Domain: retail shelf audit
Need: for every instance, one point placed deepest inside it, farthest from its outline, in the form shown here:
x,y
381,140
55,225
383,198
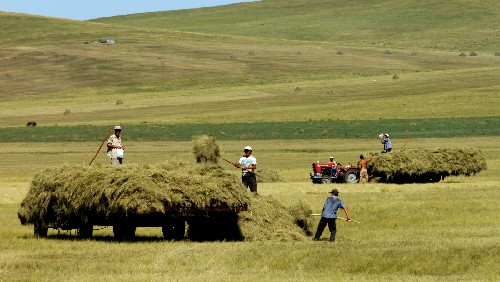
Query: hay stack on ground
x,y
265,175
419,166
267,219
205,149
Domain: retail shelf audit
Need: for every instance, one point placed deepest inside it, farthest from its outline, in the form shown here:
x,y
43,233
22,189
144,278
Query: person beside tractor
x,y
248,164
329,215
115,148
384,139
363,168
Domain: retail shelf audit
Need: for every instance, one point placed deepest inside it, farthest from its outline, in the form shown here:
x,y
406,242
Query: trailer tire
x,y
40,230
174,229
85,231
124,232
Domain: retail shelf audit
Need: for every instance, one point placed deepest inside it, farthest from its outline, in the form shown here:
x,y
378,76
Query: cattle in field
x,y
31,123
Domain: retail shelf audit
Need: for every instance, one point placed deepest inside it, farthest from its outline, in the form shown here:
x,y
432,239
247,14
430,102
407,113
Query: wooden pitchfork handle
x,y
354,221
104,140
234,164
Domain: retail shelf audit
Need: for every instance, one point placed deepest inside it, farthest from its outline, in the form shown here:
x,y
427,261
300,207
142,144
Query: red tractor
x,y
329,173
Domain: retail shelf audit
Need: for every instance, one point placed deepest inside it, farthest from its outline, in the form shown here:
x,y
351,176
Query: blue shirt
x,y
387,144
332,204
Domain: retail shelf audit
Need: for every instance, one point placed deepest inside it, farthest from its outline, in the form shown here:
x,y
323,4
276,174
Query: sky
x,y
91,9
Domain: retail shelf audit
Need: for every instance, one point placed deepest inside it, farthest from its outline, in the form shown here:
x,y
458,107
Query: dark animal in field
x,y
31,123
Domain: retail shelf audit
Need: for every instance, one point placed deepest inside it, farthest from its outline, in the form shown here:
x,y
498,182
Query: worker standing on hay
x,y
363,166
329,215
248,164
384,139
115,148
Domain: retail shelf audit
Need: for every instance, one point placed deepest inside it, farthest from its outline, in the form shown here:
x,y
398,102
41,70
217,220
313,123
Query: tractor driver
x,y
333,164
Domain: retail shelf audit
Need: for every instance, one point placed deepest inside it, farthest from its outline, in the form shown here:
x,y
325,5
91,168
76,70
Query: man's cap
x,y
335,191
118,127
248,148
331,157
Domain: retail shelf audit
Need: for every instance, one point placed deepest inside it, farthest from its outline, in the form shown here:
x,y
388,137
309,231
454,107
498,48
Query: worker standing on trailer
x,y
384,139
115,148
248,164
329,215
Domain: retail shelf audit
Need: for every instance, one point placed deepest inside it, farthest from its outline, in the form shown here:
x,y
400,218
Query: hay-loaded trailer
x,y
204,200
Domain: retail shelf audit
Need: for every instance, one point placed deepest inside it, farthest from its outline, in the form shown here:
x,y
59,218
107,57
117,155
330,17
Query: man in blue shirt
x,y
329,215
387,143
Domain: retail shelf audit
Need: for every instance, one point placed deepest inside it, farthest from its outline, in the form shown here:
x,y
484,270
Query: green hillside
x,y
261,62
428,24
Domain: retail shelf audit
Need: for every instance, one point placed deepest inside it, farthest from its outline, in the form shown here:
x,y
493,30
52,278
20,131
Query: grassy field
x,y
439,231
298,81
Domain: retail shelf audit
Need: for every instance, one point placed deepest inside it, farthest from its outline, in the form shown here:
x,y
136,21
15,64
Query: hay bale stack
x,y
419,166
71,195
205,149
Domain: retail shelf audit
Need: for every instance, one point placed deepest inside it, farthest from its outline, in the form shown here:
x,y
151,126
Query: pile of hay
x,y
420,166
267,176
205,149
267,219
71,195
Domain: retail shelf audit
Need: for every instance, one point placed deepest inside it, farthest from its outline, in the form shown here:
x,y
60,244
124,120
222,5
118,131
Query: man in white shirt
x,y
248,164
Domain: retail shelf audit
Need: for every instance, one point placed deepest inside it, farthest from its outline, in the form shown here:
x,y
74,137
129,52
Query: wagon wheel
x,y
174,229
40,230
85,231
124,232
351,176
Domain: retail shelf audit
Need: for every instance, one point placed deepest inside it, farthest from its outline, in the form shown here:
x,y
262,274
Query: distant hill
x,y
262,62
424,24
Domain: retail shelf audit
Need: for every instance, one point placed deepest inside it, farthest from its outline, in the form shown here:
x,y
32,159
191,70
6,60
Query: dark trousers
x,y
332,225
250,181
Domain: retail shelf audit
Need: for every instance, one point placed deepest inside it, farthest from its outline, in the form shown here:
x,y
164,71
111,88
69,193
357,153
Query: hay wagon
x,y
197,202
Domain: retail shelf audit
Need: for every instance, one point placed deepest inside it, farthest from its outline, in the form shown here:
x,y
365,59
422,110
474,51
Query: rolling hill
x,y
261,62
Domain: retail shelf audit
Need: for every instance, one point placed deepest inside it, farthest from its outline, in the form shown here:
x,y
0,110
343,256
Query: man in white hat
x,y
115,148
248,164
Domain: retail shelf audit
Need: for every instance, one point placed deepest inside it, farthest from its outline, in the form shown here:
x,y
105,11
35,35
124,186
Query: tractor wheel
x,y
325,179
351,176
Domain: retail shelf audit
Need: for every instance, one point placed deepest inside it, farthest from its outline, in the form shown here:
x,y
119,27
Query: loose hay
x,y
213,201
268,219
205,149
411,166
268,176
